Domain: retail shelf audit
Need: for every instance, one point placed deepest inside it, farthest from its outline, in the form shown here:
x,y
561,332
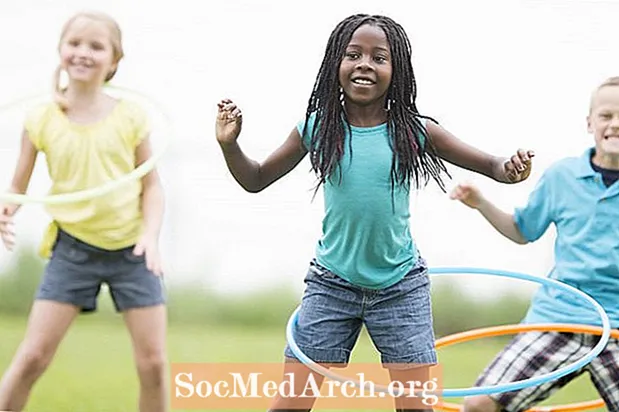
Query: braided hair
x,y
414,157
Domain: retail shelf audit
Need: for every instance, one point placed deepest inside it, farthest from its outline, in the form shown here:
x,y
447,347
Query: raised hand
x,y
518,167
229,122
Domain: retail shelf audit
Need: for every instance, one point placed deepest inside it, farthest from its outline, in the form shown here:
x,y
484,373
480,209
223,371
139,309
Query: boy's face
x,y
603,120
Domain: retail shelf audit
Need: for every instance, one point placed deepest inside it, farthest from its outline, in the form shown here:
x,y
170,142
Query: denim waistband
x,y
72,241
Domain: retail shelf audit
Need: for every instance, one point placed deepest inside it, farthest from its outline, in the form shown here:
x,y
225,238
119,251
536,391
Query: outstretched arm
x,y
504,170
503,222
250,174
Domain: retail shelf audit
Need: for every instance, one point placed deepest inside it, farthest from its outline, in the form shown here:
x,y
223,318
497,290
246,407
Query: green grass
x,y
93,370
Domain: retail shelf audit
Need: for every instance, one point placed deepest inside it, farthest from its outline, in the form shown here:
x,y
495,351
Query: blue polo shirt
x,y
366,238
573,197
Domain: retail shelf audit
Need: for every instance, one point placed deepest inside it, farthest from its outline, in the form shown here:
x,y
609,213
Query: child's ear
x,y
112,72
589,126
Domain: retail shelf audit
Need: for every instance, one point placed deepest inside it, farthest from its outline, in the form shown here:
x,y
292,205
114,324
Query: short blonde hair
x,y
115,40
611,81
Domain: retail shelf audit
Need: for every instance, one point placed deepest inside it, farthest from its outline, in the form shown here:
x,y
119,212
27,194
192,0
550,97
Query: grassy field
x,y
93,370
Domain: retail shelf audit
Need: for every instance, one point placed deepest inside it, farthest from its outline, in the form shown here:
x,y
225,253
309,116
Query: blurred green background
x,y
94,372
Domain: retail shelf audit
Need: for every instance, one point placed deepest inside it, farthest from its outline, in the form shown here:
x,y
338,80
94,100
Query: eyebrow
x,y
375,48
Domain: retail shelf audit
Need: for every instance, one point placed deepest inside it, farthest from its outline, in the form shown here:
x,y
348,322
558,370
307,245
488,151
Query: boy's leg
x,y
528,355
399,322
481,403
139,295
329,324
604,371
47,325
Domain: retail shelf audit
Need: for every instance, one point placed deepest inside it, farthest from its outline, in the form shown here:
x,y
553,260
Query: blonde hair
x,y
115,40
611,81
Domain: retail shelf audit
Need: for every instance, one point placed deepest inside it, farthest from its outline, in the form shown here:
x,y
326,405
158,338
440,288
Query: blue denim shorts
x,y
398,318
76,271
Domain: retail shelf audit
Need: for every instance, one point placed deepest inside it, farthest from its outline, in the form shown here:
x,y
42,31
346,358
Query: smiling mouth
x,y
611,137
363,82
82,65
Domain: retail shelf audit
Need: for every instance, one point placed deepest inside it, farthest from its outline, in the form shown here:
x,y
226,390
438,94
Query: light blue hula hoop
x,y
485,390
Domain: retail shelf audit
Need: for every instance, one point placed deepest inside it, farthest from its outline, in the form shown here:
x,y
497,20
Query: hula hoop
x,y
462,392
107,187
512,329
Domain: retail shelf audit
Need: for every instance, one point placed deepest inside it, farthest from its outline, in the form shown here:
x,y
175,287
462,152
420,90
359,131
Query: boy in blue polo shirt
x,y
580,196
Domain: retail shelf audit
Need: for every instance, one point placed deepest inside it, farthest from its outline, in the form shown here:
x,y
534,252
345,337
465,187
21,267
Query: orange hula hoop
x,y
511,329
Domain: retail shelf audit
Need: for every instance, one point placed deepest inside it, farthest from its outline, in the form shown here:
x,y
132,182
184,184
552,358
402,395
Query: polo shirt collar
x,y
584,169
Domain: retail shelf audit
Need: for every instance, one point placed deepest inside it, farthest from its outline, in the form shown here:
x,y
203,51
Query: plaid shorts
x,y
536,353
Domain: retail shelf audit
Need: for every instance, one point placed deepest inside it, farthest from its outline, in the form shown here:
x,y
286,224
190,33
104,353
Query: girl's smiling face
x,y
365,71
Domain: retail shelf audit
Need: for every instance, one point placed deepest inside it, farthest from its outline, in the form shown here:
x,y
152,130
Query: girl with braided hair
x,y
367,144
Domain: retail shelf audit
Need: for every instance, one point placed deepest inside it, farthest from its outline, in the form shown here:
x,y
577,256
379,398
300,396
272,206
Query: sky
x,y
500,75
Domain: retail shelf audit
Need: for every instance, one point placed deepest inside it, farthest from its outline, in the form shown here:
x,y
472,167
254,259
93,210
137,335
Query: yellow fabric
x,y
83,156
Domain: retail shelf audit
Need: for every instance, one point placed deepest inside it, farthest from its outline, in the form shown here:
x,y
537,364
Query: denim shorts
x,y
76,271
398,318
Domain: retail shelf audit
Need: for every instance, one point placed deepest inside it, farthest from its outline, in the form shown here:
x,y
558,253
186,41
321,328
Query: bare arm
x,y
25,166
255,177
19,184
503,222
501,169
250,174
152,192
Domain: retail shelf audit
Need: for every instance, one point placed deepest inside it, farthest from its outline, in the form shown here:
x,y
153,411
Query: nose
x,y
83,51
364,63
